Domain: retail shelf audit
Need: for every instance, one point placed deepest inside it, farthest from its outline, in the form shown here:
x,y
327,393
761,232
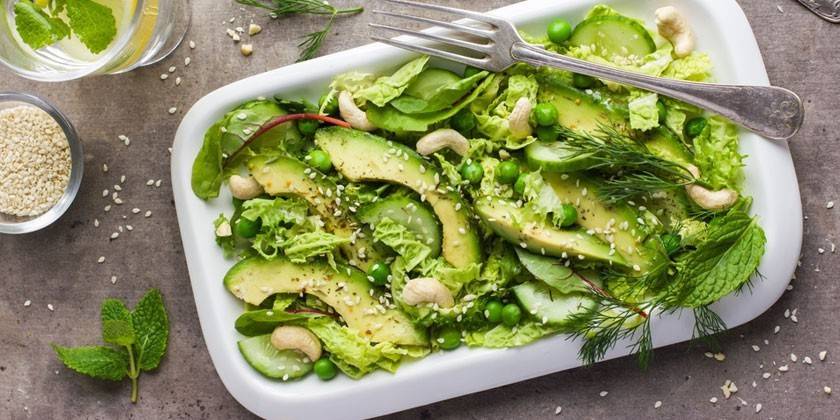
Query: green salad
x,y
426,209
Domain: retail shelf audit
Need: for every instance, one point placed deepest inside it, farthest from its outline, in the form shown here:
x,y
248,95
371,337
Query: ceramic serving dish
x,y
722,30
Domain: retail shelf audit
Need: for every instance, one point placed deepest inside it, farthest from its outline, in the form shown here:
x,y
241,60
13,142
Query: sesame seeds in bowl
x,y
41,163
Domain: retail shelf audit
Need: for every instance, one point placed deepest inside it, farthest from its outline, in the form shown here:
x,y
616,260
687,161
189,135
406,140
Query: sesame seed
x,y
108,208
115,235
148,213
101,260
28,303
793,358
783,368
822,355
603,393
104,167
720,357
177,81
829,205
164,76
117,188
657,404
758,407
713,400
50,307
827,390
150,182
755,348
187,61
158,182
192,45
558,410
135,210
766,375
173,110
807,360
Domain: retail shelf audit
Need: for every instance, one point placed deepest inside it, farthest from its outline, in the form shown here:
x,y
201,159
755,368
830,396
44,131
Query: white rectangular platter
x,y
722,31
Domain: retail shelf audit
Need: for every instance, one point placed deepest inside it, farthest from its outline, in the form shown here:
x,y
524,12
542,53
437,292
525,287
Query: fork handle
x,y
770,111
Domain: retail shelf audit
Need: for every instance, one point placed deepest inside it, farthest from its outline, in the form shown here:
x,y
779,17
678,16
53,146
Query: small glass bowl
x,y
25,224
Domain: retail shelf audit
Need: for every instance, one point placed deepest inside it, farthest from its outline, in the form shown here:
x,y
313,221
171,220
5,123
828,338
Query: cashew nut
x,y
427,290
289,337
707,199
674,27
441,139
352,114
518,122
244,187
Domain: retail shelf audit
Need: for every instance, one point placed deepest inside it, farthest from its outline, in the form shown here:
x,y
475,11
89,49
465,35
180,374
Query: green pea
x,y
519,185
247,228
471,71
511,314
547,133
582,81
507,172
449,338
464,121
320,160
472,172
559,31
493,311
660,108
379,273
332,106
325,369
545,114
308,127
569,213
672,242
694,127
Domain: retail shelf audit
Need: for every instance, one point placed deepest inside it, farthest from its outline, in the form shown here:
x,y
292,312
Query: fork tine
x,y
481,63
449,25
466,13
481,48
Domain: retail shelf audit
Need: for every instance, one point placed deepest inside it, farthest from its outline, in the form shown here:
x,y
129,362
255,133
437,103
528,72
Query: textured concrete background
x,y
58,266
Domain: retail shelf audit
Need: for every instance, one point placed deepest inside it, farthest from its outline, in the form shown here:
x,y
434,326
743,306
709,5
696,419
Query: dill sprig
x,y
601,329
311,42
636,170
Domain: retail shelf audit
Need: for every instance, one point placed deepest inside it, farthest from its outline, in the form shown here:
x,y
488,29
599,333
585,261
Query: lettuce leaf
x,y
402,241
500,268
355,355
716,154
502,336
696,67
276,211
387,88
644,115
300,248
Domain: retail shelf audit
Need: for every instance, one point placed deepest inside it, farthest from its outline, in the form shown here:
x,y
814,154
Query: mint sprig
x,y
138,342
91,22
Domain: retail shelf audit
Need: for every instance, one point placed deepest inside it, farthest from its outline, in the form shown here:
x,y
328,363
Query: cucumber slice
x,y
408,212
556,157
273,363
549,305
613,35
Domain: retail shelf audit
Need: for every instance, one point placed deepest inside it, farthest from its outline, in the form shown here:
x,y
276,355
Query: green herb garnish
x,y
137,341
92,22
311,42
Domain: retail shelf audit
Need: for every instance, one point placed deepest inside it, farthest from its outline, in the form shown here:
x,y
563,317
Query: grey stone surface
x,y
58,265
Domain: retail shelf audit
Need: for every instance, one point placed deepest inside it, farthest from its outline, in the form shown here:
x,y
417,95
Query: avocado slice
x,y
578,112
286,176
618,224
361,156
408,212
516,226
663,143
347,290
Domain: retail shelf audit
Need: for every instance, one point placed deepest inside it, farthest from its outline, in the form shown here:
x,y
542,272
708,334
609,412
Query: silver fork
x,y
772,112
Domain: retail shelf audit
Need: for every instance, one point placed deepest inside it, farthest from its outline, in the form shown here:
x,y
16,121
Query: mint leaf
x,y
95,361
151,326
116,323
93,23
36,28
723,262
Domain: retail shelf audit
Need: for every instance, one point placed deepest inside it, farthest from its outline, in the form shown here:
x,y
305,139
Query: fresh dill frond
x,y
601,329
635,169
707,324
311,43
